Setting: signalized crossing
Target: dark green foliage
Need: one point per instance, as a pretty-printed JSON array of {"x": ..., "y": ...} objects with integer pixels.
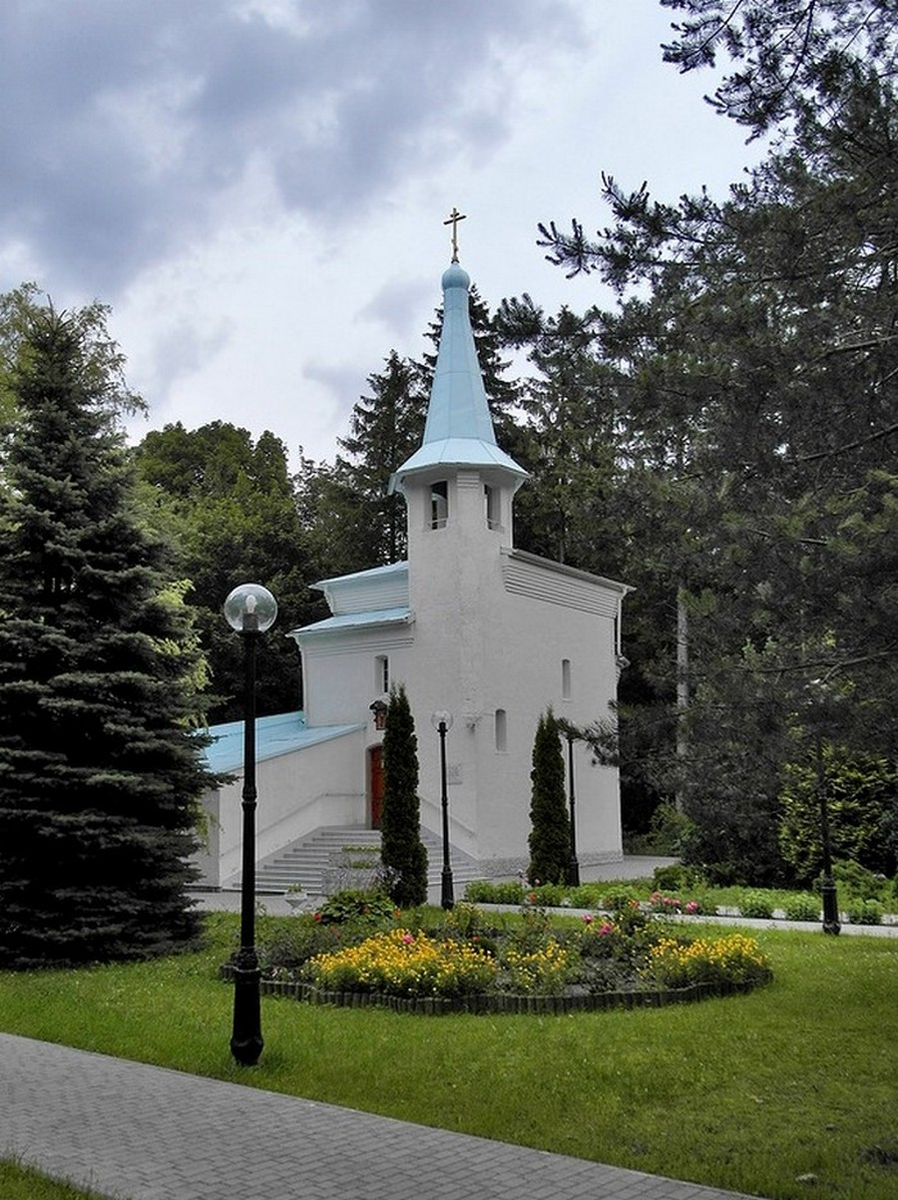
[
  {"x": 794, "y": 56},
  {"x": 753, "y": 384},
  {"x": 356, "y": 523},
  {"x": 550, "y": 832},
  {"x": 353, "y": 905},
  {"x": 484, "y": 891},
  {"x": 402, "y": 850},
  {"x": 757, "y": 904},
  {"x": 862, "y": 802},
  {"x": 99, "y": 774},
  {"x": 228, "y": 505}
]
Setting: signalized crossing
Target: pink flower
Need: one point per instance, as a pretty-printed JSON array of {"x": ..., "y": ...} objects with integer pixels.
[
  {"x": 692, "y": 906},
  {"x": 607, "y": 928},
  {"x": 587, "y": 918},
  {"x": 407, "y": 938}
]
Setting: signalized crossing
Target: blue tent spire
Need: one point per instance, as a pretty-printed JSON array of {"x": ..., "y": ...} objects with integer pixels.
[{"x": 459, "y": 428}]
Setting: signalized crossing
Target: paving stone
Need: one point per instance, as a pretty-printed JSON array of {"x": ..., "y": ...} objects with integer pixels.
[{"x": 136, "y": 1132}]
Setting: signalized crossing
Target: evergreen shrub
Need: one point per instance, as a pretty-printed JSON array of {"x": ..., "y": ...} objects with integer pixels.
[
  {"x": 402, "y": 850},
  {"x": 550, "y": 832}
]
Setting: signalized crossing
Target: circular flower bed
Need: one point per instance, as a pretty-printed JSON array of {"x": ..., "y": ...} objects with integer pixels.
[{"x": 463, "y": 960}]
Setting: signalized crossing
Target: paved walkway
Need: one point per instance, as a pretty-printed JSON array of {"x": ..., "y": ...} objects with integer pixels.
[{"x": 135, "y": 1132}]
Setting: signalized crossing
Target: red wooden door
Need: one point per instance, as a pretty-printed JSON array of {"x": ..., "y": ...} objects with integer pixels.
[{"x": 376, "y": 784}]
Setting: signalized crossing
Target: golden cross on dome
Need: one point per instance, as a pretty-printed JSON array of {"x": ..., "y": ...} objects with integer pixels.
[{"x": 454, "y": 217}]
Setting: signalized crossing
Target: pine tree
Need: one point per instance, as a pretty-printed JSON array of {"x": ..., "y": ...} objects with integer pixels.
[
  {"x": 401, "y": 847},
  {"x": 99, "y": 773},
  {"x": 357, "y": 523},
  {"x": 550, "y": 834}
]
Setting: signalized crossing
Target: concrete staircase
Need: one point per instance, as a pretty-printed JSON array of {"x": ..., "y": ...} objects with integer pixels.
[{"x": 312, "y": 860}]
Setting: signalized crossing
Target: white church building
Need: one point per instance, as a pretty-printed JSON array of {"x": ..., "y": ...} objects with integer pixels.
[{"x": 470, "y": 626}]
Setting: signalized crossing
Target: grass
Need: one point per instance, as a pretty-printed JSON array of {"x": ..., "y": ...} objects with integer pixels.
[
  {"x": 748, "y": 1093},
  {"x": 18, "y": 1182}
]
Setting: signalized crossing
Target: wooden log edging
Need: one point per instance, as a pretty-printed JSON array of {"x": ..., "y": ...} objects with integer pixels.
[{"x": 500, "y": 1002}]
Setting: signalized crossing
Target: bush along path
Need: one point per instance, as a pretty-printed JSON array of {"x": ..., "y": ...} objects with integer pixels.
[
  {"x": 865, "y": 899},
  {"x": 358, "y": 951}
]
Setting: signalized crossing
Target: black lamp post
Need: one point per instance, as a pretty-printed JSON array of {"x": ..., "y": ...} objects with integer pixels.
[
  {"x": 827, "y": 884},
  {"x": 573, "y": 871},
  {"x": 442, "y": 723},
  {"x": 250, "y": 609}
]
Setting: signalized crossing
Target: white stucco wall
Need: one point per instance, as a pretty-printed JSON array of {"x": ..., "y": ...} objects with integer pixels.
[{"x": 317, "y": 786}]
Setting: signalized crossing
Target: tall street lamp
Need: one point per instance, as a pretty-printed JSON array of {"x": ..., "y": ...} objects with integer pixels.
[
  {"x": 573, "y": 870},
  {"x": 250, "y": 609},
  {"x": 827, "y": 884},
  {"x": 442, "y": 723}
]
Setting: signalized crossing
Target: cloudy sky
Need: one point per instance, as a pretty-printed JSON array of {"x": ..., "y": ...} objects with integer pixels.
[{"x": 258, "y": 187}]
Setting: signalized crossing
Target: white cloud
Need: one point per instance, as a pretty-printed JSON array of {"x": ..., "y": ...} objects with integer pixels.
[{"x": 258, "y": 187}]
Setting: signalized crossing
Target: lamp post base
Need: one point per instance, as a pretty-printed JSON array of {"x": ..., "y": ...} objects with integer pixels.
[
  {"x": 246, "y": 1040},
  {"x": 447, "y": 891},
  {"x": 831, "y": 923}
]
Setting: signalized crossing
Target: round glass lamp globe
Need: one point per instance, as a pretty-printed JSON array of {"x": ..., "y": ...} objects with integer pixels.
[
  {"x": 250, "y": 607},
  {"x": 441, "y": 718}
]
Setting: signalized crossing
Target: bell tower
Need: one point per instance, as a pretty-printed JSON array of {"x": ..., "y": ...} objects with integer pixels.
[{"x": 458, "y": 480}]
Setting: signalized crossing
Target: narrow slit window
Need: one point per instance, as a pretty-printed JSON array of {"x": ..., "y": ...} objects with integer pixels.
[
  {"x": 439, "y": 504},
  {"x": 491, "y": 499},
  {"x": 382, "y": 673},
  {"x": 565, "y": 679},
  {"x": 501, "y": 730}
]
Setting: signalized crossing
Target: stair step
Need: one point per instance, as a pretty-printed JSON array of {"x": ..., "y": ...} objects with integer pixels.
[{"x": 307, "y": 861}]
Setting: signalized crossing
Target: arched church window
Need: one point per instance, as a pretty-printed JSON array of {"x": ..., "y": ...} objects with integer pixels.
[
  {"x": 501, "y": 730},
  {"x": 439, "y": 504},
  {"x": 565, "y": 679}
]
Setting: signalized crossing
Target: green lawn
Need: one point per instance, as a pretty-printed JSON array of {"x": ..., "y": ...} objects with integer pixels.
[
  {"x": 749, "y": 1093},
  {"x": 18, "y": 1182}
]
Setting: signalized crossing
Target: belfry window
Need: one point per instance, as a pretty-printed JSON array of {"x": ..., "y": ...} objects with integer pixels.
[
  {"x": 439, "y": 504},
  {"x": 493, "y": 511},
  {"x": 382, "y": 673}
]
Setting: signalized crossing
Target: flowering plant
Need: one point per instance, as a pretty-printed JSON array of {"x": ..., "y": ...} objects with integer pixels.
[
  {"x": 734, "y": 958},
  {"x": 405, "y": 964}
]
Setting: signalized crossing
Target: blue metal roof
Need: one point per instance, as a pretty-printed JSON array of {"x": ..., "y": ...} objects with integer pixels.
[
  {"x": 459, "y": 428},
  {"x": 360, "y": 620},
  {"x": 396, "y": 568},
  {"x": 277, "y": 735}
]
